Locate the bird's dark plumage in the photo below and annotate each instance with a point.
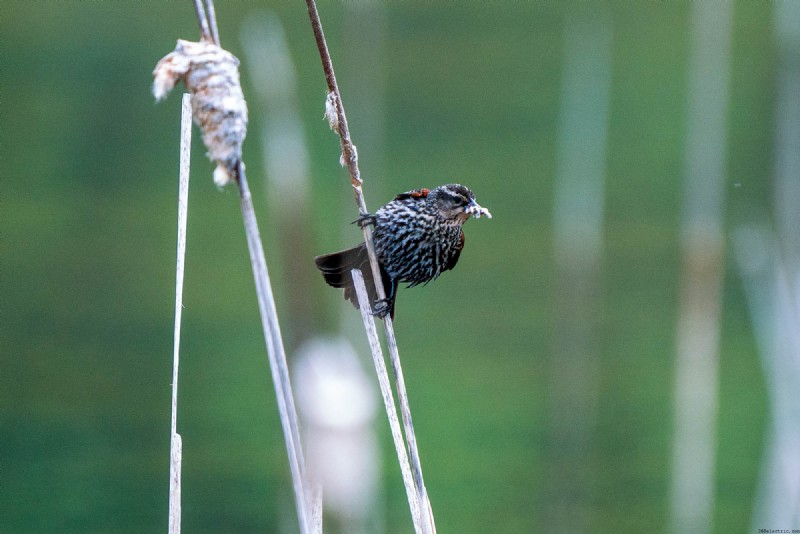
(417, 236)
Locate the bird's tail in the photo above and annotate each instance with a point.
(336, 267)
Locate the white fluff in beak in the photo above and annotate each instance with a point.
(475, 209)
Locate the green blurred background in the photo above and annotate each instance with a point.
(468, 93)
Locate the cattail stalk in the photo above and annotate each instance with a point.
(176, 444)
(338, 122)
(222, 115)
(388, 398)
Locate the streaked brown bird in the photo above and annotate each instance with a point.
(417, 236)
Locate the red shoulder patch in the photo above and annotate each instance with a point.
(416, 193)
(420, 193)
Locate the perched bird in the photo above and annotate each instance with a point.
(417, 236)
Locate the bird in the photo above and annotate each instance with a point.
(417, 236)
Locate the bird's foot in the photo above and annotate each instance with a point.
(381, 308)
(365, 219)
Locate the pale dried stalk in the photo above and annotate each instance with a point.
(266, 302)
(176, 444)
(212, 21)
(202, 20)
(350, 159)
(277, 356)
(388, 399)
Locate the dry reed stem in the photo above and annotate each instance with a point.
(176, 444)
(202, 20)
(212, 21)
(276, 353)
(350, 159)
(388, 399)
(269, 319)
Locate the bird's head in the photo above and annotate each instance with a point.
(456, 203)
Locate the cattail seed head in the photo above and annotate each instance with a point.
(211, 74)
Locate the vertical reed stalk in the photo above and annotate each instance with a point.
(388, 399)
(276, 354)
(176, 444)
(269, 319)
(350, 159)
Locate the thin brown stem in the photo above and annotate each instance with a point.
(349, 154)
(350, 158)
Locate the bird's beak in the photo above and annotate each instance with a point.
(475, 209)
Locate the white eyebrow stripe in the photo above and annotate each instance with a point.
(450, 191)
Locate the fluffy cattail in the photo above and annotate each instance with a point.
(211, 74)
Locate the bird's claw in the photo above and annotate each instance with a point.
(365, 219)
(381, 308)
